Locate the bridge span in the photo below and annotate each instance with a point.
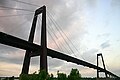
(34, 48)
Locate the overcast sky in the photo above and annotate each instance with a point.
(91, 27)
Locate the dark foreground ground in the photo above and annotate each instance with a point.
(17, 78)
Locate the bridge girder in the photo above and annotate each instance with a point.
(35, 49)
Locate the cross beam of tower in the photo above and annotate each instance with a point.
(43, 57)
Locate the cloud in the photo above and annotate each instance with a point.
(90, 55)
(13, 56)
(104, 35)
(9, 69)
(116, 71)
(7, 3)
(88, 72)
(53, 62)
(105, 45)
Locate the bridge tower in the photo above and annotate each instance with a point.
(43, 51)
(98, 71)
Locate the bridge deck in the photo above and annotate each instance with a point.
(22, 44)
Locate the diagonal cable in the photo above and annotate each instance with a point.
(56, 35)
(61, 35)
(26, 3)
(52, 36)
(65, 34)
(16, 15)
(11, 8)
(55, 40)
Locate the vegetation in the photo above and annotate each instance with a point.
(42, 75)
(74, 75)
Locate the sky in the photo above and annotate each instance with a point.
(91, 27)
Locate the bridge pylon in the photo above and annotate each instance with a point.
(98, 71)
(43, 51)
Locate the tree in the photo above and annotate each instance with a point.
(61, 76)
(74, 75)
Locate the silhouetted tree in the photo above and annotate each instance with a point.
(74, 75)
(61, 76)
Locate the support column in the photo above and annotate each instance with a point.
(97, 69)
(43, 57)
(26, 62)
(104, 66)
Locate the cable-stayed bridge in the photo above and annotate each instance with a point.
(33, 50)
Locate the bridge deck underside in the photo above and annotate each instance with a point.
(22, 44)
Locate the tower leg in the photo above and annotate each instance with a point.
(26, 62)
(43, 57)
(97, 69)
